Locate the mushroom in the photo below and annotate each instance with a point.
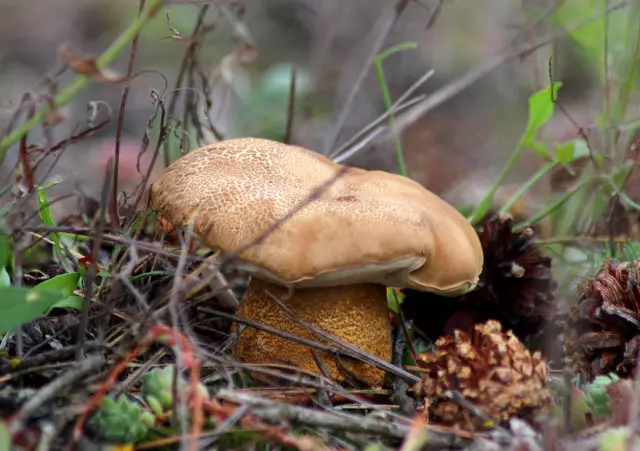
(365, 231)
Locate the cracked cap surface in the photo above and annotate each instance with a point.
(367, 227)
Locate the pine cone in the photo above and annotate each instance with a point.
(515, 288)
(603, 327)
(491, 369)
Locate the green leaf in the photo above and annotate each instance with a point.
(541, 149)
(541, 108)
(158, 384)
(64, 283)
(386, 96)
(44, 210)
(579, 409)
(553, 207)
(5, 437)
(402, 47)
(394, 299)
(19, 305)
(597, 397)
(571, 151)
(157, 273)
(4, 250)
(5, 280)
(75, 302)
(591, 35)
(598, 204)
(620, 174)
(616, 34)
(483, 206)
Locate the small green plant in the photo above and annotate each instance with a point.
(386, 96)
(157, 388)
(588, 402)
(608, 46)
(395, 298)
(597, 398)
(63, 243)
(5, 251)
(121, 421)
(541, 108)
(631, 250)
(66, 284)
(20, 305)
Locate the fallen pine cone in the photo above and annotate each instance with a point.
(603, 327)
(515, 289)
(491, 369)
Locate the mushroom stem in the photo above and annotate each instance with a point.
(356, 314)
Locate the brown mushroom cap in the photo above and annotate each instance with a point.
(367, 230)
(367, 227)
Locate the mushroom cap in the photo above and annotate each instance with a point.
(365, 227)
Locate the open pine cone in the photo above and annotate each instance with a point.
(491, 369)
(515, 288)
(603, 327)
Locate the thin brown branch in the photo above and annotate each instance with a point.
(179, 400)
(54, 356)
(92, 267)
(292, 106)
(345, 350)
(155, 248)
(53, 389)
(187, 55)
(387, 24)
(435, 14)
(25, 160)
(579, 129)
(162, 136)
(121, 113)
(26, 98)
(311, 381)
(276, 412)
(78, 137)
(369, 132)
